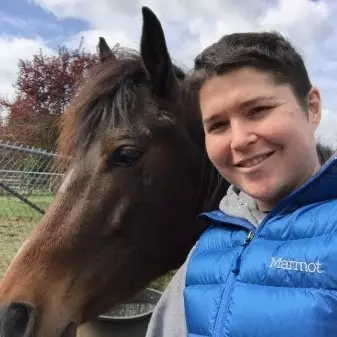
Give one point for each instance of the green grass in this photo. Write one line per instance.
(13, 231)
(17, 220)
(11, 207)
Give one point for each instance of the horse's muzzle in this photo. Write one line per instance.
(17, 320)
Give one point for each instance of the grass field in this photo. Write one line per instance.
(13, 231)
(11, 207)
(17, 220)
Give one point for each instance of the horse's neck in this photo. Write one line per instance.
(213, 186)
(324, 152)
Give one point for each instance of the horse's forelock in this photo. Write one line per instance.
(116, 94)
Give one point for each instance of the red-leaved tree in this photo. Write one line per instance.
(44, 87)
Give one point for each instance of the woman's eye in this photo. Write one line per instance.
(259, 109)
(217, 125)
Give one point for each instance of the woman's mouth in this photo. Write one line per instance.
(254, 161)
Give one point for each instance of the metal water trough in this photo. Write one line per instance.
(129, 319)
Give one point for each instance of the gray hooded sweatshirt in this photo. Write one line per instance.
(168, 319)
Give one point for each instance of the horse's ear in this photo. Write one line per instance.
(104, 51)
(155, 55)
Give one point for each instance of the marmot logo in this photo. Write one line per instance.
(304, 267)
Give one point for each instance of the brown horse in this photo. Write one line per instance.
(126, 212)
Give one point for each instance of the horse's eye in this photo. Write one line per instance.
(124, 156)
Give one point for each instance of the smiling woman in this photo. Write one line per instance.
(269, 120)
(261, 261)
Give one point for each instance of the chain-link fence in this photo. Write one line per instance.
(28, 181)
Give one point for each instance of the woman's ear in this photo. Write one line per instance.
(314, 106)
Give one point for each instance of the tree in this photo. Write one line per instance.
(44, 87)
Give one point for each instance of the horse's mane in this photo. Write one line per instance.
(114, 94)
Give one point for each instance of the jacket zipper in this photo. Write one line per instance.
(229, 285)
(237, 266)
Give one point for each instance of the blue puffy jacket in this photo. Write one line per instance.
(279, 280)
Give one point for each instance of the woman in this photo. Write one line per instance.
(267, 264)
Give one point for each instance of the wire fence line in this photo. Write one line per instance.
(28, 181)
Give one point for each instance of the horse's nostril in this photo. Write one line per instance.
(17, 320)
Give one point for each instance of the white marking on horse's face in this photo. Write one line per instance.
(66, 181)
(62, 189)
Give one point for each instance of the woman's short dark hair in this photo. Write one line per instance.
(265, 51)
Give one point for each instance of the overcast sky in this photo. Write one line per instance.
(189, 25)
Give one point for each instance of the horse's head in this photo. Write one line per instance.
(126, 210)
